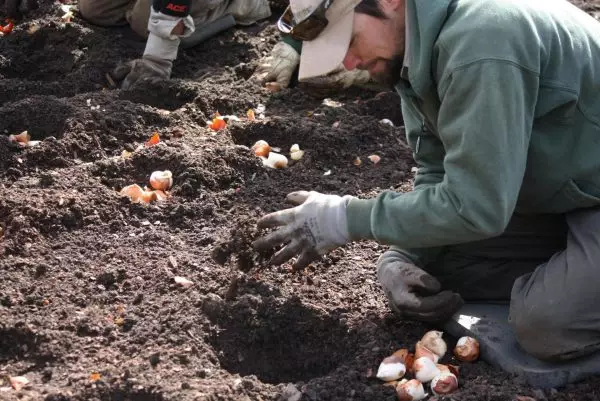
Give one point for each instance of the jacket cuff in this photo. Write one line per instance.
(358, 216)
(296, 44)
(161, 48)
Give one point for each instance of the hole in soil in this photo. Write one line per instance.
(20, 343)
(42, 116)
(280, 341)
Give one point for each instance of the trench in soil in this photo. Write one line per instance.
(281, 342)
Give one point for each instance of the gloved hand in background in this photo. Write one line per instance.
(161, 49)
(279, 66)
(338, 79)
(147, 68)
(412, 292)
(311, 229)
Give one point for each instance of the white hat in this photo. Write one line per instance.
(326, 52)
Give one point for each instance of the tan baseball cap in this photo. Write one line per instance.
(324, 54)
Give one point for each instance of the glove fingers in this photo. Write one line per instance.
(306, 257)
(284, 78)
(439, 315)
(288, 252)
(121, 71)
(433, 303)
(274, 239)
(415, 277)
(297, 198)
(277, 219)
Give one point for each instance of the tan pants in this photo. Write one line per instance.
(137, 12)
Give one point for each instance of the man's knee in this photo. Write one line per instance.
(538, 331)
(105, 12)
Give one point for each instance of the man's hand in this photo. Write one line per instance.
(335, 81)
(279, 66)
(314, 227)
(412, 292)
(147, 68)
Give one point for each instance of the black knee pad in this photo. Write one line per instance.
(175, 8)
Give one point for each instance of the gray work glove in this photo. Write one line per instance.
(279, 66)
(164, 33)
(311, 229)
(412, 292)
(147, 68)
(338, 79)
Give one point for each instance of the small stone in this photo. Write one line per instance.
(18, 382)
(154, 359)
(183, 282)
(290, 393)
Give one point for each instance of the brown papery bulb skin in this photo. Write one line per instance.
(444, 383)
(422, 351)
(433, 341)
(467, 349)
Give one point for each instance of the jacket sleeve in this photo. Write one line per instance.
(428, 151)
(484, 123)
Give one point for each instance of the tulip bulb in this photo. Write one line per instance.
(425, 369)
(391, 368)
(261, 148)
(448, 368)
(134, 192)
(375, 159)
(406, 357)
(422, 351)
(295, 152)
(444, 383)
(161, 180)
(467, 349)
(21, 139)
(411, 390)
(275, 160)
(433, 341)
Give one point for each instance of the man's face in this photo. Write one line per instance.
(377, 45)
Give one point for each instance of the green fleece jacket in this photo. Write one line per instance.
(501, 103)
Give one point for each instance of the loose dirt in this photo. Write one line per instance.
(89, 309)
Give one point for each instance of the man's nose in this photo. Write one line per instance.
(351, 61)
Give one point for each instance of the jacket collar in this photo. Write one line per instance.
(424, 21)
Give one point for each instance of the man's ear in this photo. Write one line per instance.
(390, 5)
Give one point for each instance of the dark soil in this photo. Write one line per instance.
(89, 309)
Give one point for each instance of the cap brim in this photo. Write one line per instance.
(325, 53)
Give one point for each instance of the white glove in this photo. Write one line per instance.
(340, 78)
(247, 12)
(162, 43)
(314, 227)
(279, 65)
(335, 81)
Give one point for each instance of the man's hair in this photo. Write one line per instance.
(370, 7)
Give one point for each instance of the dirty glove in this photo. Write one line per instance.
(338, 79)
(147, 68)
(161, 49)
(314, 227)
(279, 66)
(412, 292)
